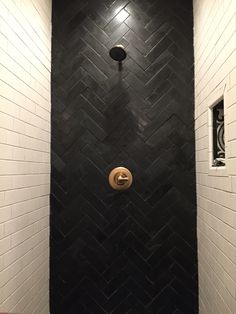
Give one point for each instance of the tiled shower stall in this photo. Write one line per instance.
(69, 114)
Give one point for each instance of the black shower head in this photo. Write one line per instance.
(118, 53)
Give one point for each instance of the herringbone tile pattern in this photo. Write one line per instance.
(132, 252)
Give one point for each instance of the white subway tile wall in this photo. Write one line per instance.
(25, 105)
(215, 76)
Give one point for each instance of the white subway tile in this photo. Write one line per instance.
(215, 64)
(25, 57)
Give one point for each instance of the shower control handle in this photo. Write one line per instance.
(120, 178)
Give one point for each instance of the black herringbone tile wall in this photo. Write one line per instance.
(130, 252)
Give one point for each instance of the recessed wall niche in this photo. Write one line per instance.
(218, 134)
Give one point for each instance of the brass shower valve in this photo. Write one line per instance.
(120, 178)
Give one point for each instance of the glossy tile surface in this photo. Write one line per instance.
(131, 252)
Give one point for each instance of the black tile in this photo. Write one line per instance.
(132, 252)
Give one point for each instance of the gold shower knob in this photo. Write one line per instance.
(120, 178)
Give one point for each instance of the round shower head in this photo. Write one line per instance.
(118, 53)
